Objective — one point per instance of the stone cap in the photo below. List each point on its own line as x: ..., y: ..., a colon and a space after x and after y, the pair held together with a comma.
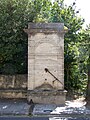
x: 56, y: 26
x: 45, y: 28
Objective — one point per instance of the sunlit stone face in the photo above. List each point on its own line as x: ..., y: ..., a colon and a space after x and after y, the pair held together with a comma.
x: 46, y: 63
x: 45, y: 51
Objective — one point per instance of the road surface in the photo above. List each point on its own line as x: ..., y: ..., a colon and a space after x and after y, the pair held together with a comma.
x: 41, y: 118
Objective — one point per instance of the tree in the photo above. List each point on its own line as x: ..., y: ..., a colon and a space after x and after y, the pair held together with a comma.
x: 13, y: 40
x: 15, y: 16
x: 58, y: 12
x: 86, y: 39
x: 68, y: 15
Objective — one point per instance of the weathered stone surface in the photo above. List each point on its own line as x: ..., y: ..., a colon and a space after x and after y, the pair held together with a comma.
x: 46, y: 61
x: 47, y: 96
x: 11, y: 93
x: 13, y: 86
x: 45, y: 51
x: 13, y: 81
x: 46, y: 26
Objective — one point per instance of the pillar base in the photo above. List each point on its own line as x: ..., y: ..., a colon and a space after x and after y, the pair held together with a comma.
x: 47, y: 96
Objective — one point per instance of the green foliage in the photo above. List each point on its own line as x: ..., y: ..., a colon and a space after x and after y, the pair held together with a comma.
x: 13, y: 47
x: 14, y: 17
x: 86, y: 56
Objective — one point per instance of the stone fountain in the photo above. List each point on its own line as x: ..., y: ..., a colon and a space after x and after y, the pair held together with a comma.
x: 46, y: 63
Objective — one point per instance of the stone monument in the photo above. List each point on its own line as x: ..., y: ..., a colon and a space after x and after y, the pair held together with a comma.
x: 46, y: 63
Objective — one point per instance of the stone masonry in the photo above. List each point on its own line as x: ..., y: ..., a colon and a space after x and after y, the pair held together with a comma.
x: 13, y: 86
x: 46, y: 62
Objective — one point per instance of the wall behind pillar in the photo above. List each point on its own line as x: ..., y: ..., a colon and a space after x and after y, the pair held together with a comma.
x: 13, y: 86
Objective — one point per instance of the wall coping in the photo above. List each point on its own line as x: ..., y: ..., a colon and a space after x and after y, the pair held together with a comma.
x: 57, y: 26
x: 45, y: 28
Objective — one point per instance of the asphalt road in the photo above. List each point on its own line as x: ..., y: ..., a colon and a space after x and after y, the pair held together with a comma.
x: 41, y: 118
x: 23, y: 118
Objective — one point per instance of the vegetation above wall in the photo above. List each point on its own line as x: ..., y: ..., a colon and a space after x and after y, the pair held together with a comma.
x: 15, y: 16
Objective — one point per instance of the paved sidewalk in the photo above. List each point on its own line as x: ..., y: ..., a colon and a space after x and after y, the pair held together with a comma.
x: 71, y: 108
x: 21, y: 107
x: 14, y: 107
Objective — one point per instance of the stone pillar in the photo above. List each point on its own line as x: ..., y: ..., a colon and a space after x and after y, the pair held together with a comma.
x: 46, y: 62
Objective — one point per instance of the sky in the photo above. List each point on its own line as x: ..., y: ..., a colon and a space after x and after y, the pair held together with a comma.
x: 84, y: 7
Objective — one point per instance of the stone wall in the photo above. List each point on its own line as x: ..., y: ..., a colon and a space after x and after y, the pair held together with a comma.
x: 13, y: 86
